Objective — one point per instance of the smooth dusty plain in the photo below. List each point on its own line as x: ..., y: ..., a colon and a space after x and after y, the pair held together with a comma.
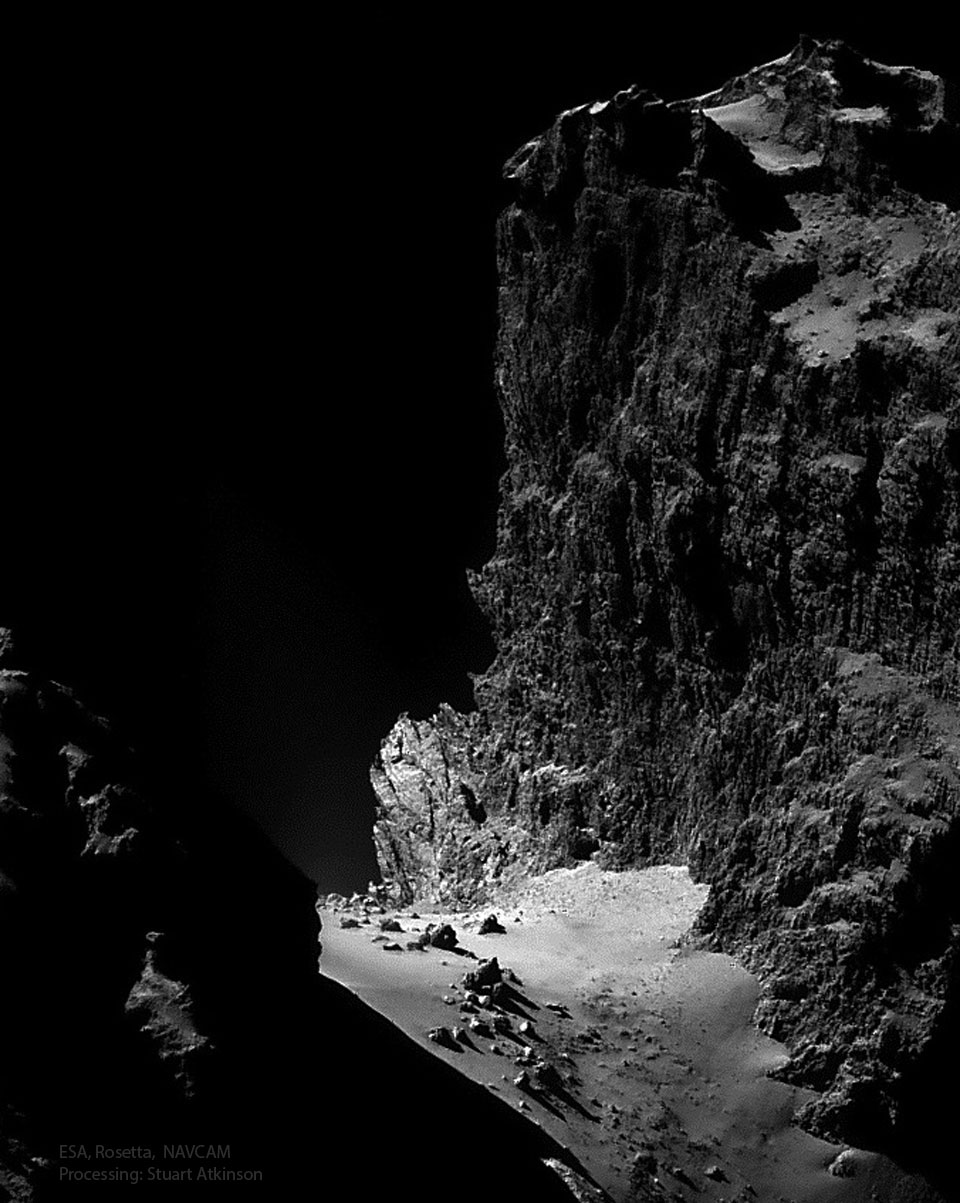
x: 662, y: 1077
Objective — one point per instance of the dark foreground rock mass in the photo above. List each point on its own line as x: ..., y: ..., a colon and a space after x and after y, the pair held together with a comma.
x: 726, y: 591
x: 160, y: 990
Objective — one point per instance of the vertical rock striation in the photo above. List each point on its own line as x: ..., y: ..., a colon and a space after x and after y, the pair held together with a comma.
x: 726, y: 591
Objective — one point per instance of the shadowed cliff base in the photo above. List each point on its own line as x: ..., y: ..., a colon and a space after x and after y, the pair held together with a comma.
x: 161, y: 991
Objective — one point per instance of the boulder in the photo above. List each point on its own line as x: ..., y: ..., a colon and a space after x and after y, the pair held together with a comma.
x: 444, y: 1037
x: 443, y: 936
x: 487, y: 973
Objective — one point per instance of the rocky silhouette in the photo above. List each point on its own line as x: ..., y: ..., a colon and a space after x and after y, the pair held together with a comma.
x: 161, y: 993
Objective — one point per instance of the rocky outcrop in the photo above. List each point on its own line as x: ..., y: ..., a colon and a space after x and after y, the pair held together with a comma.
x: 726, y: 591
x: 151, y: 948
x: 452, y: 823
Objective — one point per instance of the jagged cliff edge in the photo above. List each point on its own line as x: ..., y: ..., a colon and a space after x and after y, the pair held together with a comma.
x: 726, y: 590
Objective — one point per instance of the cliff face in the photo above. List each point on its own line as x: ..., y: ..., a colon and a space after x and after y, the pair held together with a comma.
x: 726, y: 592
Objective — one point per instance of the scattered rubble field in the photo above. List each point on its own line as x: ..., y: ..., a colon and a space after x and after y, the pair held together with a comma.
x: 583, y: 1005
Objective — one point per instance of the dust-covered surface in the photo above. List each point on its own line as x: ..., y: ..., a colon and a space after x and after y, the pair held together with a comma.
x: 630, y: 1046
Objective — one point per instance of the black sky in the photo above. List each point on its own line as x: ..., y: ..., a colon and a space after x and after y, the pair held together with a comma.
x: 252, y: 442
